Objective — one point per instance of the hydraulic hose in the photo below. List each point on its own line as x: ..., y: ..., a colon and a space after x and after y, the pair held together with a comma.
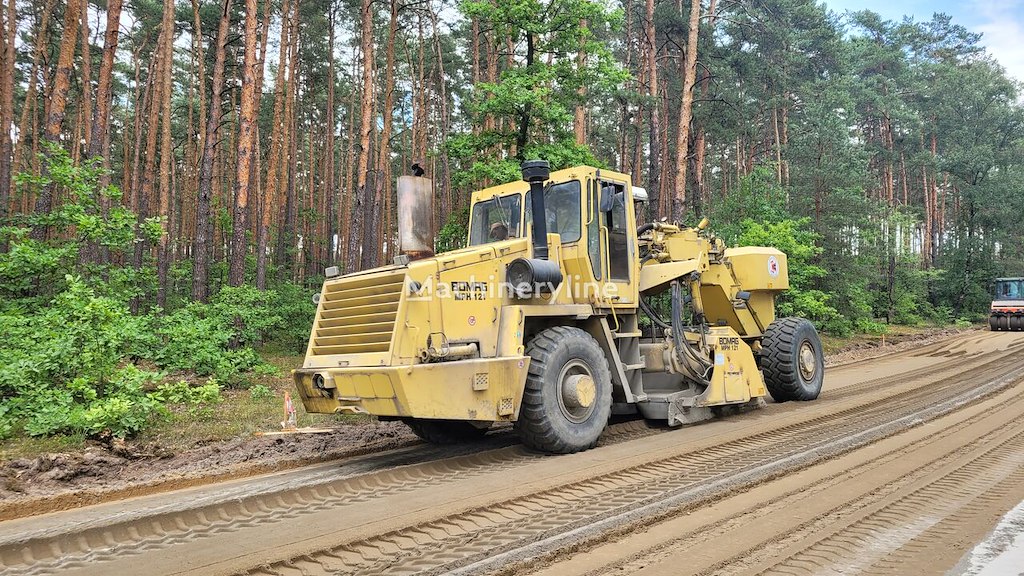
x: 646, y: 308
x: 681, y: 345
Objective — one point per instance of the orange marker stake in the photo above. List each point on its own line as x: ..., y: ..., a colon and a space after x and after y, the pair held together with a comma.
x: 289, y: 422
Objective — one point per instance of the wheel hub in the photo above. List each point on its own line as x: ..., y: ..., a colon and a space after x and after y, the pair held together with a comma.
x: 577, y: 391
x: 808, y: 361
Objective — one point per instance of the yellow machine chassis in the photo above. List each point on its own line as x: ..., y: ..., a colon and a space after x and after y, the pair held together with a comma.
x: 487, y: 389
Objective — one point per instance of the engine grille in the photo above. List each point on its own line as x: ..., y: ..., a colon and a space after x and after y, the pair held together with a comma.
x: 358, y: 314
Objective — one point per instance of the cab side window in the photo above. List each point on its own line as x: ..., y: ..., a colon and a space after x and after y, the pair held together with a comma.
x: 618, y: 237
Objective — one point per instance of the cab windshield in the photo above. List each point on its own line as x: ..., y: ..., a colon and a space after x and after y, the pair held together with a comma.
x: 1010, y: 289
x: 562, y: 208
x: 495, y: 220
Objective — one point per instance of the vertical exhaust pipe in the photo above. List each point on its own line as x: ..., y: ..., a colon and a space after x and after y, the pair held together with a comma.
x: 415, y: 215
x: 532, y: 277
x: 536, y: 172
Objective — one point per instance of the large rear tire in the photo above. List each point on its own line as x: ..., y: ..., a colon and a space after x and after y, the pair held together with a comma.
x: 568, y: 394
x: 446, y: 431
x: 993, y: 323
x: 792, y: 360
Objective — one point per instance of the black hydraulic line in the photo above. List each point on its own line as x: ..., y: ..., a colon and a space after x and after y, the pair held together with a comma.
x: 653, y: 315
x: 681, y: 346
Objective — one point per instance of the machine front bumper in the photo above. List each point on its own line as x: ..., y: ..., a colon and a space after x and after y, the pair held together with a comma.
x: 485, y: 389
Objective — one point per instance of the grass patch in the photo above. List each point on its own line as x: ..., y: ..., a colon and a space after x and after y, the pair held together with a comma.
x: 892, y: 334
x: 32, y: 446
x: 242, y: 412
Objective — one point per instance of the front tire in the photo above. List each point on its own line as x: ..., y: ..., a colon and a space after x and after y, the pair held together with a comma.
x: 568, y: 395
x: 792, y: 360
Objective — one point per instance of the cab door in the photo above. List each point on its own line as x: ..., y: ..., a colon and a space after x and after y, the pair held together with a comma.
x: 612, y: 239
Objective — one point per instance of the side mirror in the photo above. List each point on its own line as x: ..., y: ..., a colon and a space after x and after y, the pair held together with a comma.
x: 607, y: 201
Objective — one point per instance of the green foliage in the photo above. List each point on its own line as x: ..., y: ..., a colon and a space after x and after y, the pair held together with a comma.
x: 529, y: 108
x: 794, y: 238
x: 33, y: 271
x: 758, y: 198
x: 453, y: 234
x: 181, y: 392
x: 61, y: 370
x: 72, y: 347
x: 293, y: 305
x: 260, y: 392
x: 213, y: 339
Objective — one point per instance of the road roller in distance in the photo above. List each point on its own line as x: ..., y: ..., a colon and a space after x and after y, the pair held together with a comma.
x: 1007, y: 312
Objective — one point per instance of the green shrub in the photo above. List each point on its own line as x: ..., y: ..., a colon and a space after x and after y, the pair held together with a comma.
x: 181, y: 392
x: 793, y: 238
x: 213, y: 339
x: 261, y: 392
x: 294, y: 306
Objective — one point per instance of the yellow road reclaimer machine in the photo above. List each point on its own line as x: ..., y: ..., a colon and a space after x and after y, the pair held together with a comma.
x: 560, y: 312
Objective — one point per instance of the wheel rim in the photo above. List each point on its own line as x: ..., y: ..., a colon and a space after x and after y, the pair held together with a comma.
x: 808, y: 361
x: 577, y: 392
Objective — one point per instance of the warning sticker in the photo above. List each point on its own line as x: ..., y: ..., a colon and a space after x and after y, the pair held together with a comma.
x: 719, y: 359
x: 773, y: 266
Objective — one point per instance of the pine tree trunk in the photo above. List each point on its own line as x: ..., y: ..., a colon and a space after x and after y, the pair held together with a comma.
x: 653, y: 98
x: 274, y: 161
x: 287, y: 239
x: 149, y: 169
x: 204, y: 223
x: 58, y: 101
x: 579, y: 123
x: 246, y: 145
x: 384, y: 158
x: 166, y: 153
x: 685, y: 112
x: 331, y: 189
x: 8, y: 31
x: 29, y: 108
x: 361, y: 209
x: 85, y: 104
x: 99, y: 141
x: 442, y: 181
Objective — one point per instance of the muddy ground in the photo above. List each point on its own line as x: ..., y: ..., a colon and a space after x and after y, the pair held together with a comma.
x: 103, y: 472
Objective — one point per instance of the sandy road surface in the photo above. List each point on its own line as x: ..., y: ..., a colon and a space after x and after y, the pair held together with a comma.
x: 902, y: 465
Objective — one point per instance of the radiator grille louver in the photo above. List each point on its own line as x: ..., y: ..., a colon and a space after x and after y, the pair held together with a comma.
x: 358, y: 314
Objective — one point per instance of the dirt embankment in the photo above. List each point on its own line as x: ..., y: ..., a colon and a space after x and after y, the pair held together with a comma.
x: 100, y: 473
x: 103, y: 472
x: 866, y: 349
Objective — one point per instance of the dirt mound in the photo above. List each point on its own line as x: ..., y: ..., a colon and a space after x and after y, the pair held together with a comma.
x: 873, y: 348
x: 104, y: 472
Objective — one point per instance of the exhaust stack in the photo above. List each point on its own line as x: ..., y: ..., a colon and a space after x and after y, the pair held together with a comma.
x: 532, y: 277
x: 536, y: 172
x: 415, y: 215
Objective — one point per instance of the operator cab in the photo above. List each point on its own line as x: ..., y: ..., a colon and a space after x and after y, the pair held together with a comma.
x: 1009, y: 289
x: 594, y: 214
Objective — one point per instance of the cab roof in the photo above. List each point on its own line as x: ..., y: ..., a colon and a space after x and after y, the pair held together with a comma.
x: 576, y: 172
